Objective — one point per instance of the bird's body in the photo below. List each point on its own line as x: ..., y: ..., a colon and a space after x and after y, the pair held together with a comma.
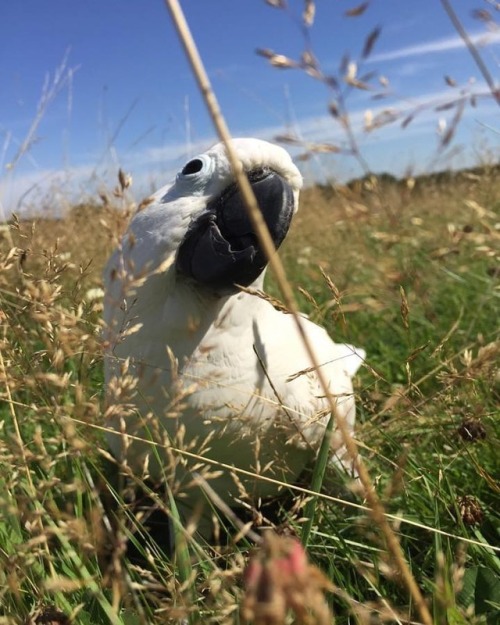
x: 213, y: 369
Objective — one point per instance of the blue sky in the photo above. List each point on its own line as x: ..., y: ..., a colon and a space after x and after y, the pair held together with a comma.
x: 127, y: 99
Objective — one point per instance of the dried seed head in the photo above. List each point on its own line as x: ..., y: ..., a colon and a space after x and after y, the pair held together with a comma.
x: 368, y: 119
x: 370, y: 42
x: 334, y: 109
x: 357, y: 10
x: 282, y: 62
x: 309, y: 12
x: 470, y: 510
x: 308, y: 60
x: 144, y: 203
x: 441, y: 126
x: 405, y: 309
x: 276, y: 60
x: 124, y: 179
x: 483, y: 15
x: 104, y: 198
x: 352, y: 70
x: 471, y: 430
x: 277, y: 4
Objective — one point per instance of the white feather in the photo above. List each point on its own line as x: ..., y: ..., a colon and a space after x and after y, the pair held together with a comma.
x: 210, y: 367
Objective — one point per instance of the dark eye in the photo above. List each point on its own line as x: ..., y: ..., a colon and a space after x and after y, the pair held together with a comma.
x: 193, y: 167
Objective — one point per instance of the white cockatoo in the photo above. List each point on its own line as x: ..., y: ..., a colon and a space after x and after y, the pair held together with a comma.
x: 193, y: 361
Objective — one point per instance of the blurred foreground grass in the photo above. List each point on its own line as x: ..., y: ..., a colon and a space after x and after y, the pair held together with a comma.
x: 408, y: 270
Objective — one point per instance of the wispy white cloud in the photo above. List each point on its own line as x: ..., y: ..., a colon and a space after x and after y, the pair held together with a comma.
x: 411, y: 68
x: 168, y: 153
x: 436, y: 46
x: 50, y: 189
x: 155, y: 166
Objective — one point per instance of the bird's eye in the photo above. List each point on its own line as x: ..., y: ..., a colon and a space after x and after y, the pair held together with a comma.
x: 193, y: 167
x: 196, y: 173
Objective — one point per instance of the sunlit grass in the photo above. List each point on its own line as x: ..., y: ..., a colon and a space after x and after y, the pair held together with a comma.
x: 414, y: 280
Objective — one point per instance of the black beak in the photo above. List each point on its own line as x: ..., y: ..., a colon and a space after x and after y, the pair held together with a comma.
x: 220, y: 249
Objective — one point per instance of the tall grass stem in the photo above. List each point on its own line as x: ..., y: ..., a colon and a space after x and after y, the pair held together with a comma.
x: 376, y: 507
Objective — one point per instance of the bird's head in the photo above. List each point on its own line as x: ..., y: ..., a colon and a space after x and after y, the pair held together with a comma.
x: 202, y: 219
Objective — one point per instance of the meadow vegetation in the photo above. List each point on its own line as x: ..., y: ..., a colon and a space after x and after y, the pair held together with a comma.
x: 407, y: 269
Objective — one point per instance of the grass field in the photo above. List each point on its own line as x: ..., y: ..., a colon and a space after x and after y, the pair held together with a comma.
x: 413, y: 270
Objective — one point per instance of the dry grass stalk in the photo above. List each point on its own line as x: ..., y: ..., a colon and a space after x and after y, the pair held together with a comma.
x: 52, y: 320
x: 494, y: 88
x: 55, y: 326
x: 376, y: 507
x: 349, y: 75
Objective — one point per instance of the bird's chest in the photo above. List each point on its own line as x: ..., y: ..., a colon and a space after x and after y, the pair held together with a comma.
x: 217, y: 382
x: 222, y: 375
x: 224, y: 392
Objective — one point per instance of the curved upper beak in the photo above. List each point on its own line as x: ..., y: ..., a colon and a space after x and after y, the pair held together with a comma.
x: 221, y: 249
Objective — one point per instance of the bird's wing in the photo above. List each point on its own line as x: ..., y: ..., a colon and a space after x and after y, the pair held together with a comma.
x: 294, y: 381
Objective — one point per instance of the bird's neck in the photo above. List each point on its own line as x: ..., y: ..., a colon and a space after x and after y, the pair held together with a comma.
x: 197, y: 310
